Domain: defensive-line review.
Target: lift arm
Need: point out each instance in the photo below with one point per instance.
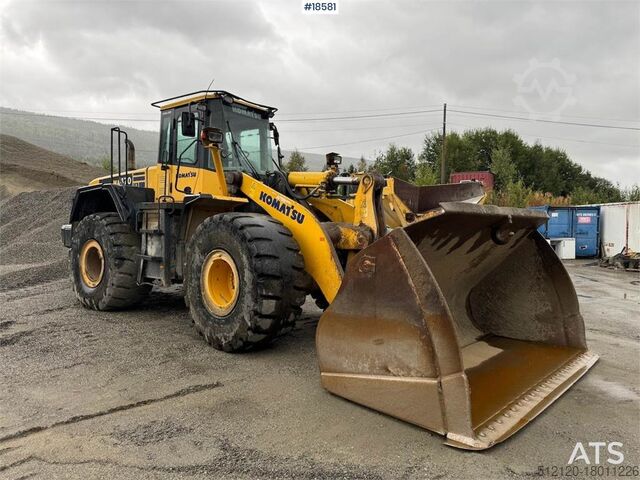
(320, 258)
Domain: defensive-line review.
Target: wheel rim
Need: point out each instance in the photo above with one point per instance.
(91, 263)
(220, 283)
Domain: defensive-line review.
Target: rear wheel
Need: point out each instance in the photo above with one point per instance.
(246, 280)
(103, 263)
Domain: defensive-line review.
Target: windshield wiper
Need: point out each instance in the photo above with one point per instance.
(244, 157)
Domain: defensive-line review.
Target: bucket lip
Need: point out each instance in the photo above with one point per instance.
(525, 408)
(491, 214)
(464, 207)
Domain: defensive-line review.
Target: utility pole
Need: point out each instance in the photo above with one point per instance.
(444, 145)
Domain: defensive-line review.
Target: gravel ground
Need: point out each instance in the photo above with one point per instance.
(31, 251)
(139, 395)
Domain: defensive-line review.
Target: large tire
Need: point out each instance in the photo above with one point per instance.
(319, 298)
(105, 278)
(269, 284)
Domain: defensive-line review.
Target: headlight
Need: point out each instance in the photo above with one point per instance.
(211, 136)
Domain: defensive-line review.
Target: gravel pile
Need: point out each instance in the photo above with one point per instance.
(31, 251)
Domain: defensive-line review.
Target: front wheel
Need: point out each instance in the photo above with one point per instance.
(246, 280)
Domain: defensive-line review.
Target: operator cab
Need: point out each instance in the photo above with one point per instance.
(245, 125)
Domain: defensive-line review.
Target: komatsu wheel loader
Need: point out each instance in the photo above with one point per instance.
(441, 311)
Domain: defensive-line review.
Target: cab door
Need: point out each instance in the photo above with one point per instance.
(188, 156)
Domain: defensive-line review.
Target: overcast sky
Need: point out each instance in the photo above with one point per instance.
(565, 61)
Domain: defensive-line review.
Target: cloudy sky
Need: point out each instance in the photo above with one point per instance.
(386, 63)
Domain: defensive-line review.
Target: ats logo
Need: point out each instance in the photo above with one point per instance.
(612, 450)
(282, 207)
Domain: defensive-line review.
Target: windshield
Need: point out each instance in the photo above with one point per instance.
(246, 137)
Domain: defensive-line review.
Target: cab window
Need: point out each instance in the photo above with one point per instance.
(164, 151)
(186, 146)
(250, 144)
(250, 131)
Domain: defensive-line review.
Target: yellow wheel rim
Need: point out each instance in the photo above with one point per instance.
(220, 283)
(91, 263)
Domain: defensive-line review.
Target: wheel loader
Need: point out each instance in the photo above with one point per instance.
(439, 310)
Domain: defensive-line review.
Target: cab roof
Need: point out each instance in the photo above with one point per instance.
(192, 97)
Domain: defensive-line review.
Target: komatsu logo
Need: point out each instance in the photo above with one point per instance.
(187, 175)
(282, 207)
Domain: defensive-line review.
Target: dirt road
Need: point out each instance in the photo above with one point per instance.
(138, 394)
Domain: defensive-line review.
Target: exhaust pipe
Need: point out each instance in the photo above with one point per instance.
(131, 155)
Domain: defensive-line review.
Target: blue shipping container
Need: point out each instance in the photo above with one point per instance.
(586, 231)
(581, 223)
(560, 222)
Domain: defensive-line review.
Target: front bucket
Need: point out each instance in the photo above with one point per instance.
(465, 323)
(420, 199)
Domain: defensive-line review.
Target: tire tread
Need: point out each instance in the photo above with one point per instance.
(278, 268)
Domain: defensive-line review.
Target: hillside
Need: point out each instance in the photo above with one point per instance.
(25, 167)
(89, 141)
(79, 139)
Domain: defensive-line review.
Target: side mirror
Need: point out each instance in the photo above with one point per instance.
(188, 124)
(276, 135)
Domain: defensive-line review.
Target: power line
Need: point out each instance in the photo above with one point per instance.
(557, 122)
(370, 139)
(352, 128)
(349, 111)
(356, 117)
(312, 119)
(280, 114)
(558, 138)
(353, 117)
(563, 115)
(360, 111)
(350, 117)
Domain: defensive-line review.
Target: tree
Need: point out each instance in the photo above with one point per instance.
(513, 194)
(296, 163)
(503, 169)
(542, 169)
(517, 194)
(584, 196)
(398, 162)
(464, 152)
(632, 194)
(426, 174)
(431, 150)
(361, 166)
(607, 191)
(105, 162)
